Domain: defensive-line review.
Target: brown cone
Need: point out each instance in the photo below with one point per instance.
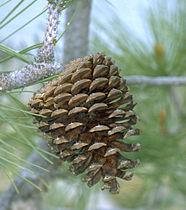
(88, 111)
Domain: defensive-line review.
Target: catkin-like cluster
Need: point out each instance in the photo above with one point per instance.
(89, 114)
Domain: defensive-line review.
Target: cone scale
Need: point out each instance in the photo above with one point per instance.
(88, 115)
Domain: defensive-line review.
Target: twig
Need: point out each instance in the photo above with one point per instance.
(46, 52)
(27, 75)
(44, 64)
(144, 80)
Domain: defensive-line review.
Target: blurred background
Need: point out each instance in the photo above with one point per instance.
(145, 37)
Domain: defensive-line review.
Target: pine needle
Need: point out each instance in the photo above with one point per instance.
(8, 15)
(22, 160)
(18, 13)
(5, 3)
(23, 111)
(10, 176)
(12, 52)
(24, 25)
(70, 20)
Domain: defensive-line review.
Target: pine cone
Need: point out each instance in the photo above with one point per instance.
(88, 111)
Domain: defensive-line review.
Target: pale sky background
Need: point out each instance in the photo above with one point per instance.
(130, 11)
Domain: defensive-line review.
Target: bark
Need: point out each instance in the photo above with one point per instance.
(76, 38)
(27, 75)
(44, 64)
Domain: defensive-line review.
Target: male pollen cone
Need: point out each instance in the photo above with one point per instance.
(88, 112)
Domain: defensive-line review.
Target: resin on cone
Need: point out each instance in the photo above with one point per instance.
(88, 115)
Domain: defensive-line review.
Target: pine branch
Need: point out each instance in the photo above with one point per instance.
(145, 80)
(74, 49)
(44, 64)
(27, 75)
(46, 52)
